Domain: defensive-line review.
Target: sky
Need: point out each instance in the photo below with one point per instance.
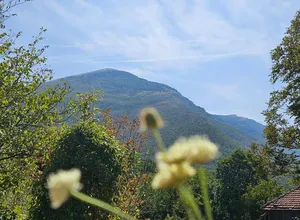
(216, 53)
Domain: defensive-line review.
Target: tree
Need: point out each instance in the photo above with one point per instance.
(158, 204)
(88, 147)
(243, 184)
(260, 194)
(234, 175)
(5, 9)
(25, 110)
(259, 155)
(28, 115)
(283, 113)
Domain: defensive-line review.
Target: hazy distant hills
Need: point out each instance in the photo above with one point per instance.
(125, 92)
(245, 125)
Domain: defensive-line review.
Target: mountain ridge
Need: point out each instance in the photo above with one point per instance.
(246, 125)
(125, 92)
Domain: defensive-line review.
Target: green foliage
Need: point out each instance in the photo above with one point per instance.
(243, 184)
(83, 108)
(25, 111)
(166, 204)
(157, 204)
(259, 195)
(283, 113)
(261, 162)
(27, 115)
(85, 146)
(234, 174)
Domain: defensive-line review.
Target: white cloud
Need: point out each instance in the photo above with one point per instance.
(164, 31)
(185, 32)
(199, 58)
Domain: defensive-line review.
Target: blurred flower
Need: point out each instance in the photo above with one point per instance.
(171, 174)
(60, 185)
(195, 149)
(150, 119)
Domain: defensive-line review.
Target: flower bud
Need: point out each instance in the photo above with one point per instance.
(150, 119)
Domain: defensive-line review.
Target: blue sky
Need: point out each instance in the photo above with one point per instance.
(214, 52)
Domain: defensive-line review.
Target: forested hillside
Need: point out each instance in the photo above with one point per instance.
(127, 93)
(246, 125)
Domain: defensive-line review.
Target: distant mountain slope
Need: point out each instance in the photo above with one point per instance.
(125, 92)
(245, 125)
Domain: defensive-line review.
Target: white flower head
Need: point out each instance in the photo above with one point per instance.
(171, 174)
(195, 149)
(60, 185)
(202, 150)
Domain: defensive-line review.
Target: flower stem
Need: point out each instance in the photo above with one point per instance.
(188, 198)
(83, 197)
(160, 143)
(203, 184)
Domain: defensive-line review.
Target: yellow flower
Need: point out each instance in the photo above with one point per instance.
(60, 185)
(195, 149)
(171, 174)
(150, 119)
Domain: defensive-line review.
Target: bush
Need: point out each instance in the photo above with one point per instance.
(85, 146)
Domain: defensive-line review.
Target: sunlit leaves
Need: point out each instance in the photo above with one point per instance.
(283, 113)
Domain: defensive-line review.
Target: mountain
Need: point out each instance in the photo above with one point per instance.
(245, 125)
(125, 92)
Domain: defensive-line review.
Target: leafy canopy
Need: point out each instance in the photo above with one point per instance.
(28, 115)
(283, 113)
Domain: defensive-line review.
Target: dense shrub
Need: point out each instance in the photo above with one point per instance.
(85, 146)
